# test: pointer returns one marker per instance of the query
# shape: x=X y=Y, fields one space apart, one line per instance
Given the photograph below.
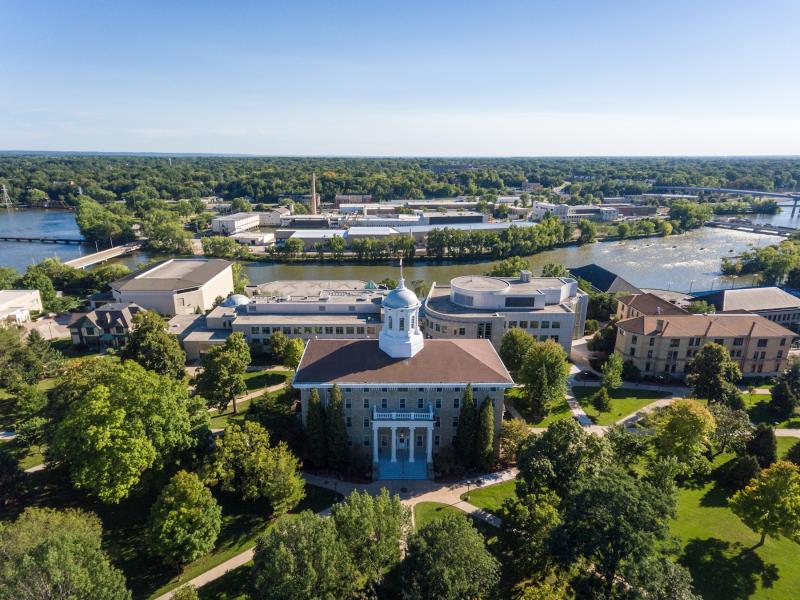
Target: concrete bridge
x=42 y=240
x=753 y=227
x=98 y=257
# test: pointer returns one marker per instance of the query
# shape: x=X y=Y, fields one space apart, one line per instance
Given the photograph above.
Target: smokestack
x=313 y=193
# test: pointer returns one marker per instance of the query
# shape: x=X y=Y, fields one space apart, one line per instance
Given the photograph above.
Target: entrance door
x=402 y=440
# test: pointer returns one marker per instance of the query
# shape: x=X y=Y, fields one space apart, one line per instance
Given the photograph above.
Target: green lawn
x=759 y=411
x=718 y=549
x=555 y=412
x=784 y=443
x=425 y=512
x=234 y=585
x=260 y=379
x=491 y=498
x=624 y=401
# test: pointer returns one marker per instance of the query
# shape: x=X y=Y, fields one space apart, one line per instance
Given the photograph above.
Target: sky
x=402 y=78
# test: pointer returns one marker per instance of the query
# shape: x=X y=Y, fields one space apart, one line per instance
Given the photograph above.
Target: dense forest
x=35 y=178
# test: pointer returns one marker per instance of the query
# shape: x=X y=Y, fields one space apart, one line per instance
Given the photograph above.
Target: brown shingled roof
x=439 y=361
x=650 y=304
x=719 y=325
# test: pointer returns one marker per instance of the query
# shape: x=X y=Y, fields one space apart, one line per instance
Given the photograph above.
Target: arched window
x=411 y=323
x=402 y=324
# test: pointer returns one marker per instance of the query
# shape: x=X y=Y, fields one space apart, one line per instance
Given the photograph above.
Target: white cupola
x=400 y=336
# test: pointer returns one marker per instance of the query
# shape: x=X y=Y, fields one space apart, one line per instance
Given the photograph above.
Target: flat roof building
x=16 y=305
x=177 y=286
x=771 y=303
x=476 y=306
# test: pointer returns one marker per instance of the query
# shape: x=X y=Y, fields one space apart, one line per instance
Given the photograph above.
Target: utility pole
x=313 y=193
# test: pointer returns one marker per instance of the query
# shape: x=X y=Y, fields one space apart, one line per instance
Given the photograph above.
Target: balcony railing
x=382 y=414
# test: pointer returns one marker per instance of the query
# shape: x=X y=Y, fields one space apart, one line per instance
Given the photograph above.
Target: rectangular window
x=402 y=324
x=523 y=324
x=556 y=325
x=360 y=330
x=632 y=352
x=534 y=324
x=633 y=339
x=462 y=331
x=366 y=402
x=265 y=330
x=456 y=403
x=254 y=330
x=350 y=330
x=783 y=341
x=384 y=403
x=438 y=403
x=455 y=421
x=436 y=440
x=339 y=330
x=402 y=402
x=437 y=422
x=366 y=422
x=420 y=403
x=348 y=421
x=762 y=343
x=366 y=440
x=512 y=324
x=652 y=341
x=719 y=341
x=318 y=330
x=347 y=403
x=287 y=330
x=674 y=343
x=545 y=324
x=419 y=441
x=517 y=302
x=329 y=330
x=298 y=330
x=738 y=341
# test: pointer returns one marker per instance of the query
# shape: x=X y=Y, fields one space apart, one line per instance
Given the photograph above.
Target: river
x=681 y=262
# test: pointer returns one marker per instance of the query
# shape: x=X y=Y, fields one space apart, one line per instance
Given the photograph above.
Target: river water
x=681 y=262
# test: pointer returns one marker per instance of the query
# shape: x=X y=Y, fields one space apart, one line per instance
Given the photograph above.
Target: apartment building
x=641 y=305
x=665 y=344
x=476 y=306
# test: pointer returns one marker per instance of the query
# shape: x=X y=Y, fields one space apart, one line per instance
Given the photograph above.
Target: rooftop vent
x=525 y=276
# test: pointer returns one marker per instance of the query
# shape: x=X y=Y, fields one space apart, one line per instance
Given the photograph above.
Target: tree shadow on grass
x=725 y=571
x=717 y=496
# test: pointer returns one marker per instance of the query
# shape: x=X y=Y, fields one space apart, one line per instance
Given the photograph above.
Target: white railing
x=402 y=415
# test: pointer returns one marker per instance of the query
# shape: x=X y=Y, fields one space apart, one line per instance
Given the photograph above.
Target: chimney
x=658 y=310
x=313 y=193
x=659 y=325
x=525 y=276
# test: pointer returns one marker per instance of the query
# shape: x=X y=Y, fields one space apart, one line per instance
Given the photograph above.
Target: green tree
x=240 y=278
x=559 y=458
x=601 y=400
x=277 y=345
x=588 y=231
x=60 y=554
x=12 y=478
x=740 y=471
x=51 y=359
x=701 y=307
x=36 y=279
x=484 y=439
x=551 y=356
x=510 y=267
x=184 y=521
x=467 y=432
x=527 y=524
x=8 y=278
x=338 y=453
x=733 y=428
x=763 y=445
x=127 y=420
x=293 y=353
x=712 y=373
x=222 y=377
x=770 y=505
x=514 y=347
x=150 y=345
x=186 y=592
x=793 y=455
x=19 y=364
x=613 y=521
x=244 y=462
x=612 y=372
x=683 y=430
x=316 y=431
x=372 y=528
x=627 y=446
x=511 y=435
x=447 y=559
x=554 y=270
x=783 y=400
x=303 y=558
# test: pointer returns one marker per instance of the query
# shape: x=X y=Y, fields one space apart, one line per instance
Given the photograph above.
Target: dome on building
x=236 y=300
x=400 y=297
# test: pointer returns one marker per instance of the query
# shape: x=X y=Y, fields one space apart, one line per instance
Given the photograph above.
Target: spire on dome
x=401 y=283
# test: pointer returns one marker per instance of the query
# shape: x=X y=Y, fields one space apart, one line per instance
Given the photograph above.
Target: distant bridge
x=791 y=196
x=41 y=240
x=742 y=225
x=97 y=257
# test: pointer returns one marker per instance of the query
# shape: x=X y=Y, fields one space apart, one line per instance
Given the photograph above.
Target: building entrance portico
x=402 y=444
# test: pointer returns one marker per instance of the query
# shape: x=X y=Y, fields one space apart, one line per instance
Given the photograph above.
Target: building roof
x=718 y=325
x=8 y=297
x=440 y=361
x=650 y=304
x=370 y=231
x=400 y=297
x=752 y=299
x=602 y=279
x=172 y=275
x=114 y=314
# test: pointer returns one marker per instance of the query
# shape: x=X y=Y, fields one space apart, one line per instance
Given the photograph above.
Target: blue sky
x=403 y=77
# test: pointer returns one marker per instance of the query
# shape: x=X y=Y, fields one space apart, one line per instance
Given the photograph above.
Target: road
x=97 y=257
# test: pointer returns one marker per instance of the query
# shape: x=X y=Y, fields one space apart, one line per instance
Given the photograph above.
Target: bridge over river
x=97 y=257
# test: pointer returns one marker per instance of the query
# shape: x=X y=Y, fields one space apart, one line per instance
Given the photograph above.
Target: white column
x=412 y=442
x=430 y=443
x=394 y=443
x=374 y=442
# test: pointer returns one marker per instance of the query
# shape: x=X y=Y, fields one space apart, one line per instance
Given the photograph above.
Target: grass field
x=260 y=379
x=759 y=411
x=425 y=512
x=624 y=401
x=718 y=549
x=491 y=498
x=555 y=412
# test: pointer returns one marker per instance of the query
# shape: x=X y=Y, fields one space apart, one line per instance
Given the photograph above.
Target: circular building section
x=478 y=291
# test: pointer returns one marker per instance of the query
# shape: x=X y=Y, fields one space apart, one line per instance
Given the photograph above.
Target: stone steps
x=402 y=470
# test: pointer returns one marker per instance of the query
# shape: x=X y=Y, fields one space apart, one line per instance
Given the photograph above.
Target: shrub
x=601 y=400
x=737 y=473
